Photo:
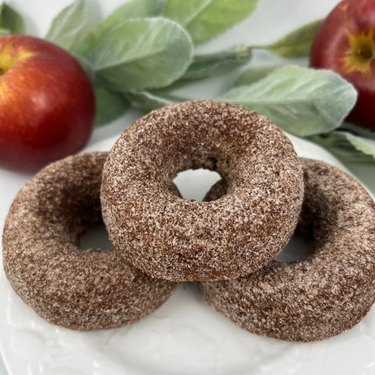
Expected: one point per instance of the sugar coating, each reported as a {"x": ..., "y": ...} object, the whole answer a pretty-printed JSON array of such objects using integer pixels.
[
  {"x": 78, "y": 289},
  {"x": 326, "y": 293},
  {"x": 180, "y": 240}
]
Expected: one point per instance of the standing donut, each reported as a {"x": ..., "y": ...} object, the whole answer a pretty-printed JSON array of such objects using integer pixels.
[
  {"x": 180, "y": 240},
  {"x": 74, "y": 288},
  {"x": 328, "y": 292}
]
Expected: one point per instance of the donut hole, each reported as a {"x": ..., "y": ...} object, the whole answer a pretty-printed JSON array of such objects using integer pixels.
[
  {"x": 95, "y": 237},
  {"x": 194, "y": 184},
  {"x": 92, "y": 233},
  {"x": 300, "y": 247}
]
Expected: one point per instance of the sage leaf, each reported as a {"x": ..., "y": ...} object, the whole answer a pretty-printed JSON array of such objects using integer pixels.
[
  {"x": 253, "y": 75},
  {"x": 296, "y": 43},
  {"x": 69, "y": 25},
  {"x": 109, "y": 106},
  {"x": 140, "y": 54},
  {"x": 347, "y": 147},
  {"x": 206, "y": 19},
  {"x": 204, "y": 66},
  {"x": 129, "y": 10},
  {"x": 148, "y": 100},
  {"x": 366, "y": 146},
  {"x": 11, "y": 21},
  {"x": 358, "y": 130},
  {"x": 302, "y": 101},
  {"x": 87, "y": 67}
]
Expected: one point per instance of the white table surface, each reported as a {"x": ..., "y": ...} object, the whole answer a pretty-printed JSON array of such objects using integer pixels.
[{"x": 271, "y": 20}]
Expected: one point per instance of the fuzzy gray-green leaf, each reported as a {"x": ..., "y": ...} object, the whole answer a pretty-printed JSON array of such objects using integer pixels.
[
  {"x": 301, "y": 101},
  {"x": 10, "y": 20},
  {"x": 253, "y": 75},
  {"x": 148, "y": 100},
  {"x": 69, "y": 25},
  {"x": 347, "y": 146},
  {"x": 296, "y": 43},
  {"x": 213, "y": 64},
  {"x": 206, "y": 19},
  {"x": 109, "y": 106},
  {"x": 129, "y": 10},
  {"x": 140, "y": 54},
  {"x": 358, "y": 130},
  {"x": 366, "y": 146}
]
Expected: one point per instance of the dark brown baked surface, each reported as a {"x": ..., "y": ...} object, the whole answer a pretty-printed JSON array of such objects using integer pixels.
[
  {"x": 326, "y": 293},
  {"x": 180, "y": 240},
  {"x": 90, "y": 289}
]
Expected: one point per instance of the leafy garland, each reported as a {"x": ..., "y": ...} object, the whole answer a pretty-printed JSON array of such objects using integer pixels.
[{"x": 141, "y": 52}]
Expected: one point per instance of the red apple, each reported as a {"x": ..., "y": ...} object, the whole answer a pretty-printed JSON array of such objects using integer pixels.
[
  {"x": 345, "y": 43},
  {"x": 47, "y": 105}
]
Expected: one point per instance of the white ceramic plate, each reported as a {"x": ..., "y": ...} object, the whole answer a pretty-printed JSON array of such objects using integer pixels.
[{"x": 184, "y": 336}]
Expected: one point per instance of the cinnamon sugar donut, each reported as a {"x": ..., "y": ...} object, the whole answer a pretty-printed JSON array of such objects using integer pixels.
[
  {"x": 74, "y": 288},
  {"x": 328, "y": 292},
  {"x": 180, "y": 240}
]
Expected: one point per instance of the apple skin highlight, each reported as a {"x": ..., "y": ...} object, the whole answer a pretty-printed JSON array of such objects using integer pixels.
[
  {"x": 47, "y": 104},
  {"x": 345, "y": 43}
]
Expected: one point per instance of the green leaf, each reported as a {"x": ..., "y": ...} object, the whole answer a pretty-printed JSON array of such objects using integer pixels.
[
  {"x": 301, "y": 101},
  {"x": 206, "y": 19},
  {"x": 347, "y": 146},
  {"x": 213, "y": 64},
  {"x": 69, "y": 25},
  {"x": 366, "y": 146},
  {"x": 358, "y": 130},
  {"x": 140, "y": 54},
  {"x": 10, "y": 20},
  {"x": 87, "y": 67},
  {"x": 130, "y": 10},
  {"x": 253, "y": 75},
  {"x": 296, "y": 43},
  {"x": 109, "y": 106},
  {"x": 149, "y": 100}
]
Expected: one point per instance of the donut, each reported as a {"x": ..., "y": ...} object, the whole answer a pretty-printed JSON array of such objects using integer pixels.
[
  {"x": 175, "y": 239},
  {"x": 329, "y": 291},
  {"x": 67, "y": 286}
]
